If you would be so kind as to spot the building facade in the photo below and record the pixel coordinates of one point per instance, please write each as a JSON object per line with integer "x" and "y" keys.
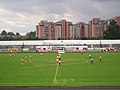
{"x": 96, "y": 27}
{"x": 81, "y": 30}
{"x": 67, "y": 30}
{"x": 45, "y": 30}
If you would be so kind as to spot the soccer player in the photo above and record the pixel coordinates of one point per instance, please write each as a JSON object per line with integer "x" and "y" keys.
{"x": 30, "y": 57}
{"x": 22, "y": 61}
{"x": 91, "y": 60}
{"x": 90, "y": 56}
{"x": 100, "y": 58}
{"x": 59, "y": 56}
{"x": 57, "y": 61}
{"x": 41, "y": 54}
{"x": 10, "y": 55}
{"x": 115, "y": 50}
{"x": 26, "y": 58}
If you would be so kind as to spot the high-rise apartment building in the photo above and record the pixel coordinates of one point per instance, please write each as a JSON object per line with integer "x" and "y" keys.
{"x": 67, "y": 30}
{"x": 96, "y": 27}
{"x": 71, "y": 31}
{"x": 81, "y": 30}
{"x": 45, "y": 30}
{"x": 62, "y": 29}
{"x": 58, "y": 30}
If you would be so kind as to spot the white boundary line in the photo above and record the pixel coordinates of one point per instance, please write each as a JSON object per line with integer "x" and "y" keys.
{"x": 56, "y": 73}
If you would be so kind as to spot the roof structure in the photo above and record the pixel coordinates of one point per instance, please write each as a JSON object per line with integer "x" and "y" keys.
{"x": 60, "y": 42}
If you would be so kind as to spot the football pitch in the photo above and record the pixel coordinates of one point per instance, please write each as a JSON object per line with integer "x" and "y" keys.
{"x": 75, "y": 70}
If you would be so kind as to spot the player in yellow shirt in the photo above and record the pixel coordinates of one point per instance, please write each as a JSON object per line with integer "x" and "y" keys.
{"x": 26, "y": 58}
{"x": 41, "y": 54}
{"x": 22, "y": 61}
{"x": 90, "y": 56}
{"x": 10, "y": 55}
{"x": 57, "y": 61}
{"x": 30, "y": 57}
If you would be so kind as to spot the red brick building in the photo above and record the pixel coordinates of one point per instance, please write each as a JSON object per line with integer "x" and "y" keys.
{"x": 45, "y": 30}
{"x": 96, "y": 27}
{"x": 62, "y": 29}
{"x": 67, "y": 30}
{"x": 81, "y": 30}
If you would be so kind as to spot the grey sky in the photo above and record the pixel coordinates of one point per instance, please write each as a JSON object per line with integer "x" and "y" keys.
{"x": 23, "y": 15}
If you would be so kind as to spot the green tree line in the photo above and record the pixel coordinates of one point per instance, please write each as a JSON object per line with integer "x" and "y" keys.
{"x": 6, "y": 36}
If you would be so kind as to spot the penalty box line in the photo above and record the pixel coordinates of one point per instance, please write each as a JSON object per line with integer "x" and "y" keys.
{"x": 56, "y": 73}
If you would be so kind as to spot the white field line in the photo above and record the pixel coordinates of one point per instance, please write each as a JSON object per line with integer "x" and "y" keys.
{"x": 56, "y": 73}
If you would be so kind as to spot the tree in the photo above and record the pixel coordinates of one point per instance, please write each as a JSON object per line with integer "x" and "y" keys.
{"x": 17, "y": 34}
{"x": 31, "y": 35}
{"x": 113, "y": 31}
{"x": 4, "y": 35}
{"x": 34, "y": 34}
{"x": 10, "y": 36}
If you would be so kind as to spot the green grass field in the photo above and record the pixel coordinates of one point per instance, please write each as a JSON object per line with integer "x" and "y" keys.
{"x": 75, "y": 70}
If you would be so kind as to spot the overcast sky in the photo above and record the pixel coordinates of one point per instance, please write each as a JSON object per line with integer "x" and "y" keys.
{"x": 23, "y": 15}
